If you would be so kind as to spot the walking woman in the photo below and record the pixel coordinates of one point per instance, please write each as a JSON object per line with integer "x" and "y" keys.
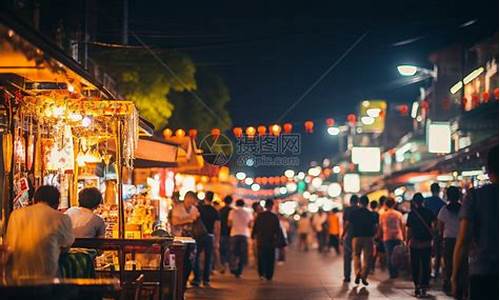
{"x": 419, "y": 238}
{"x": 448, "y": 228}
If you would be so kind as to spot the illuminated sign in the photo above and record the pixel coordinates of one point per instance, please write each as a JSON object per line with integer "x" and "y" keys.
{"x": 367, "y": 158}
{"x": 372, "y": 115}
{"x": 352, "y": 183}
{"x": 439, "y": 137}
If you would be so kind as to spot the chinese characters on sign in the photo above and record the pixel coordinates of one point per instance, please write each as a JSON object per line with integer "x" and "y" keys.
{"x": 268, "y": 150}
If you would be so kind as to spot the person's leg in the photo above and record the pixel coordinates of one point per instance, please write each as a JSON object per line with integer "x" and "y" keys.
{"x": 200, "y": 246}
{"x": 260, "y": 262}
{"x": 356, "y": 248}
{"x": 347, "y": 257}
{"x": 270, "y": 261}
{"x": 448, "y": 247}
{"x": 336, "y": 244}
{"x": 425, "y": 255}
{"x": 367, "y": 249}
{"x": 234, "y": 259}
{"x": 242, "y": 254}
{"x": 438, "y": 250}
{"x": 389, "y": 249}
{"x": 415, "y": 267}
{"x": 188, "y": 261}
{"x": 209, "y": 247}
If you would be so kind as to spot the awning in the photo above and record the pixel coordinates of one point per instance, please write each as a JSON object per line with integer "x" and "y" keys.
{"x": 155, "y": 153}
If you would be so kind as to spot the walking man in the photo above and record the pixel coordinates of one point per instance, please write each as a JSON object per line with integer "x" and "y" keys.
{"x": 240, "y": 221}
{"x": 364, "y": 225}
{"x": 434, "y": 203}
{"x": 347, "y": 237}
{"x": 210, "y": 218}
{"x": 269, "y": 236}
{"x": 225, "y": 249}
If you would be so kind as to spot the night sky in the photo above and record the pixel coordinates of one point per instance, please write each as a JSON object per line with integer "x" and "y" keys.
{"x": 269, "y": 54}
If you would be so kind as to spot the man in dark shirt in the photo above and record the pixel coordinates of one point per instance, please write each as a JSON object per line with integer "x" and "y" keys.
{"x": 210, "y": 218}
{"x": 478, "y": 236}
{"x": 434, "y": 203}
{"x": 363, "y": 225}
{"x": 347, "y": 237}
{"x": 268, "y": 235}
{"x": 225, "y": 245}
{"x": 420, "y": 222}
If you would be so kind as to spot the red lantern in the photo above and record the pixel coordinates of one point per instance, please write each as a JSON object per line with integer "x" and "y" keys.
{"x": 250, "y": 131}
{"x": 330, "y": 122}
{"x": 309, "y": 126}
{"x": 275, "y": 129}
{"x": 215, "y": 132}
{"x": 261, "y": 130}
{"x": 271, "y": 180}
{"x": 180, "y": 133}
{"x": 193, "y": 133}
{"x": 496, "y": 93}
{"x": 475, "y": 100}
{"x": 167, "y": 133}
{"x": 258, "y": 180}
{"x": 486, "y": 97}
{"x": 288, "y": 127}
{"x": 238, "y": 132}
{"x": 283, "y": 179}
{"x": 351, "y": 119}
{"x": 264, "y": 180}
{"x": 403, "y": 109}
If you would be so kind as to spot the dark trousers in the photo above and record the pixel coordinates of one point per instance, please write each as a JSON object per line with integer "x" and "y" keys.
{"x": 225, "y": 250}
{"x": 334, "y": 242}
{"x": 321, "y": 237}
{"x": 347, "y": 256}
{"x": 438, "y": 253}
{"x": 266, "y": 255}
{"x": 389, "y": 248}
{"x": 205, "y": 245}
{"x": 420, "y": 266}
{"x": 448, "y": 247}
{"x": 239, "y": 253}
{"x": 189, "y": 258}
{"x": 483, "y": 287}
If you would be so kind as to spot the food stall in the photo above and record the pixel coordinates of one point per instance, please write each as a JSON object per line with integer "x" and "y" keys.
{"x": 61, "y": 126}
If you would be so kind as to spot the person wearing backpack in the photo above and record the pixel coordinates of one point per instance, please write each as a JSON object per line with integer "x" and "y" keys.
{"x": 419, "y": 239}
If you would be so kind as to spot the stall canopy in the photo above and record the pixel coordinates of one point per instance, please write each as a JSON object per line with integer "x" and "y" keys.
{"x": 155, "y": 153}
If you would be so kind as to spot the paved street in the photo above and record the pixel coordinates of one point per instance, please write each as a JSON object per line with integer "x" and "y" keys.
{"x": 307, "y": 276}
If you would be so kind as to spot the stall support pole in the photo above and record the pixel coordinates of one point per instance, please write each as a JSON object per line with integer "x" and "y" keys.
{"x": 119, "y": 149}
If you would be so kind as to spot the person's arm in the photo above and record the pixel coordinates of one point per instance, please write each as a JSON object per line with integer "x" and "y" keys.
{"x": 402, "y": 226}
{"x": 66, "y": 233}
{"x": 181, "y": 220}
{"x": 256, "y": 227}
{"x": 346, "y": 228}
{"x": 101, "y": 228}
{"x": 461, "y": 250}
{"x": 230, "y": 219}
{"x": 217, "y": 233}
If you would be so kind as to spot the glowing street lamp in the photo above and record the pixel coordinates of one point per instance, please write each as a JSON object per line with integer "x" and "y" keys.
{"x": 333, "y": 130}
{"x": 411, "y": 70}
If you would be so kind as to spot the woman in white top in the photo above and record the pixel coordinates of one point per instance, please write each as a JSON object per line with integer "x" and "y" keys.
{"x": 448, "y": 218}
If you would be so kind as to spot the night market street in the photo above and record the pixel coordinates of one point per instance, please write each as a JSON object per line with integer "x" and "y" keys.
{"x": 308, "y": 276}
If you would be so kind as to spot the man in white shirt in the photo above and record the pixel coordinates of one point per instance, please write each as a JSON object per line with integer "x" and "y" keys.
{"x": 240, "y": 221}
{"x": 37, "y": 234}
{"x": 85, "y": 223}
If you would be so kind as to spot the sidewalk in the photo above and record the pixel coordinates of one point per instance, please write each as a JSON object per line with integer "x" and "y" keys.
{"x": 308, "y": 276}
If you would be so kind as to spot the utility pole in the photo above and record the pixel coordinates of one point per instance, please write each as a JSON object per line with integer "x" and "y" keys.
{"x": 125, "y": 23}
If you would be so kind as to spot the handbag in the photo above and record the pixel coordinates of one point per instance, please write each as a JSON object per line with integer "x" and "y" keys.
{"x": 199, "y": 229}
{"x": 400, "y": 257}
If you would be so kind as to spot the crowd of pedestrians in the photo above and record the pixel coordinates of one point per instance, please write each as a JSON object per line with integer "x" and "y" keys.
{"x": 430, "y": 241}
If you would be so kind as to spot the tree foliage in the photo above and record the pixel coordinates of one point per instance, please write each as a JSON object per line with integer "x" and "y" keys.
{"x": 149, "y": 84}
{"x": 190, "y": 112}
